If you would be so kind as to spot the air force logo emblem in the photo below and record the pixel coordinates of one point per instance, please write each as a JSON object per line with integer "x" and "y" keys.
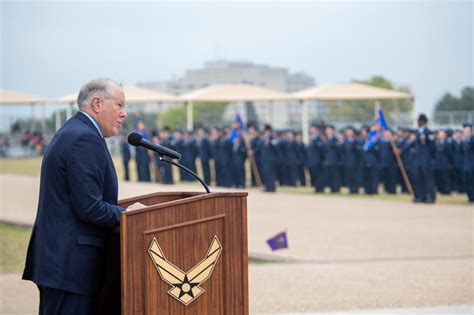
{"x": 185, "y": 285}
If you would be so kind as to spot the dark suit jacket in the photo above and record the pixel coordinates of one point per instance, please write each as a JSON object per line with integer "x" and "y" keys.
{"x": 76, "y": 210}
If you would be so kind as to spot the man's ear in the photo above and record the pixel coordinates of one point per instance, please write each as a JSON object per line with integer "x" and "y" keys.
{"x": 96, "y": 104}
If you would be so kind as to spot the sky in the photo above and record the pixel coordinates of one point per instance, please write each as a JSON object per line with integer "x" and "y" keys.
{"x": 53, "y": 48}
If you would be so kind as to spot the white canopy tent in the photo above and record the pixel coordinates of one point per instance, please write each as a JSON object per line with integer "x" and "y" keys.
{"x": 228, "y": 93}
{"x": 344, "y": 92}
{"x": 8, "y": 97}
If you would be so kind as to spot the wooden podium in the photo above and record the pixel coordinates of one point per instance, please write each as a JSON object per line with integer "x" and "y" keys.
{"x": 185, "y": 253}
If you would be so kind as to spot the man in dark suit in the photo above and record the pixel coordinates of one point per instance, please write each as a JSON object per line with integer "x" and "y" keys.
{"x": 77, "y": 206}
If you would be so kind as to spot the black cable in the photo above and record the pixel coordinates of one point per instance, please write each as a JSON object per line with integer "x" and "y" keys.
{"x": 187, "y": 170}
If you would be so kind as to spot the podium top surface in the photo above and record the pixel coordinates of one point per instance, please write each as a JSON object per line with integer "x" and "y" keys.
{"x": 167, "y": 199}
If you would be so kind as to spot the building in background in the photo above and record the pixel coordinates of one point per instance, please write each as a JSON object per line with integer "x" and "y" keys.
{"x": 282, "y": 115}
{"x": 223, "y": 71}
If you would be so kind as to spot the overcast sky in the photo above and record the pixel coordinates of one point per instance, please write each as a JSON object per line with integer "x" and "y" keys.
{"x": 52, "y": 48}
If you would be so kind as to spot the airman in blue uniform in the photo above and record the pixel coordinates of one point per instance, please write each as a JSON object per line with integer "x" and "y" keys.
{"x": 301, "y": 154}
{"x": 165, "y": 168}
{"x": 126, "y": 155}
{"x": 177, "y": 142}
{"x": 315, "y": 159}
{"x": 142, "y": 158}
{"x": 468, "y": 162}
{"x": 239, "y": 155}
{"x": 350, "y": 159}
{"x": 458, "y": 161}
{"x": 423, "y": 163}
{"x": 290, "y": 158}
{"x": 189, "y": 155}
{"x": 204, "y": 148}
{"x": 443, "y": 163}
{"x": 269, "y": 157}
{"x": 331, "y": 150}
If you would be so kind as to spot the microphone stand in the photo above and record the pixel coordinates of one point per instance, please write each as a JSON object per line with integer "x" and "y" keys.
{"x": 162, "y": 159}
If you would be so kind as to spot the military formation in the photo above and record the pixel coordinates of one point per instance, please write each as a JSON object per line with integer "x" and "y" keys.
{"x": 435, "y": 162}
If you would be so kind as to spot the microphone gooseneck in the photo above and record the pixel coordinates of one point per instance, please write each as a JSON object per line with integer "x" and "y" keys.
{"x": 136, "y": 139}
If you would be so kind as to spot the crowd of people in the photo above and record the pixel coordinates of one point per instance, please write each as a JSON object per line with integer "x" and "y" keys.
{"x": 434, "y": 162}
{"x": 33, "y": 141}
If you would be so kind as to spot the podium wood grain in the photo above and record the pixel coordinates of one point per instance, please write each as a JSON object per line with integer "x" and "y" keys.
{"x": 184, "y": 225}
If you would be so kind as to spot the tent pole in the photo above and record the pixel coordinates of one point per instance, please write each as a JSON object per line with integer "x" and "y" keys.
{"x": 159, "y": 110}
{"x": 376, "y": 107}
{"x": 189, "y": 115}
{"x": 69, "y": 111}
{"x": 401, "y": 166}
{"x": 43, "y": 119}
{"x": 33, "y": 124}
{"x": 58, "y": 119}
{"x": 270, "y": 113}
{"x": 304, "y": 121}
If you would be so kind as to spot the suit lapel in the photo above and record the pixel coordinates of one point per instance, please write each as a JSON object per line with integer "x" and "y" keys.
{"x": 88, "y": 122}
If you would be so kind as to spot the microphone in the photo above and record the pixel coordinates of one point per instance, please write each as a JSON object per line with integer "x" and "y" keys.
{"x": 136, "y": 139}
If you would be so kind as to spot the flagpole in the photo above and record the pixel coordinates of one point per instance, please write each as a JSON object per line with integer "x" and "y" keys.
{"x": 401, "y": 166}
{"x": 155, "y": 167}
{"x": 394, "y": 149}
{"x": 253, "y": 164}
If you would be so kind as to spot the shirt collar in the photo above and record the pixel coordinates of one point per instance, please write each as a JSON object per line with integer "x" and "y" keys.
{"x": 93, "y": 121}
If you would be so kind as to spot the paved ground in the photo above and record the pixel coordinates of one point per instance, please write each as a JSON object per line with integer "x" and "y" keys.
{"x": 345, "y": 253}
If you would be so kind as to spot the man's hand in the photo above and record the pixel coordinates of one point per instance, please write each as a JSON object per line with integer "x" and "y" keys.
{"x": 136, "y": 206}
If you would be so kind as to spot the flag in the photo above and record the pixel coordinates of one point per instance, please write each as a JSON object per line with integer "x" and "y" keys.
{"x": 378, "y": 126}
{"x": 279, "y": 241}
{"x": 238, "y": 126}
{"x": 140, "y": 128}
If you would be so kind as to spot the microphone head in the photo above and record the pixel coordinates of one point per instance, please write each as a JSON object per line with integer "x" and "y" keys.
{"x": 134, "y": 139}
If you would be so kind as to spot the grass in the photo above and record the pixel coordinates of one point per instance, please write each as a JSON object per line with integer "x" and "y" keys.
{"x": 21, "y": 166}
{"x": 13, "y": 246}
{"x": 32, "y": 166}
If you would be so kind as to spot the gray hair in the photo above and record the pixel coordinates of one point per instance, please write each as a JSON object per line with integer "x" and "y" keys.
{"x": 97, "y": 87}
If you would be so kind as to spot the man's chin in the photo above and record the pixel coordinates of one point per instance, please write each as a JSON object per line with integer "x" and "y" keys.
{"x": 113, "y": 133}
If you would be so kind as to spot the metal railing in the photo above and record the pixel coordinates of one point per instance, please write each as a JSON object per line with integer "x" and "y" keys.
{"x": 452, "y": 119}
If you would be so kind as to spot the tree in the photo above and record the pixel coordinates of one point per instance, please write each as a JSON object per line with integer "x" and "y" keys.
{"x": 450, "y": 102}
{"x": 467, "y": 98}
{"x": 363, "y": 111}
{"x": 378, "y": 81}
{"x": 204, "y": 114}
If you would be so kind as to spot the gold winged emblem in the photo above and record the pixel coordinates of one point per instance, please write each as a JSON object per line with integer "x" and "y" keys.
{"x": 185, "y": 285}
